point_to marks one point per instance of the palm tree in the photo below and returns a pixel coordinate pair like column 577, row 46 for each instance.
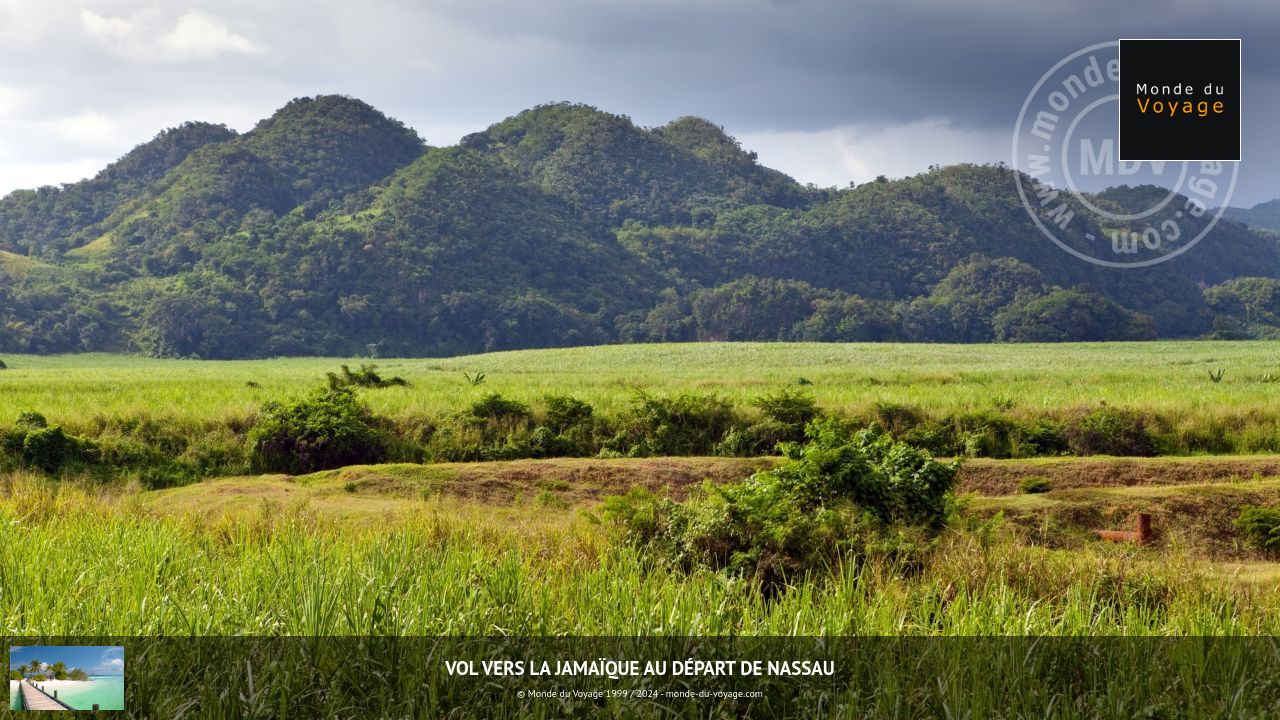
column 59, row 670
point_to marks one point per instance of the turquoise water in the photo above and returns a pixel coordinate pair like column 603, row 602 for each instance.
column 15, row 698
column 105, row 690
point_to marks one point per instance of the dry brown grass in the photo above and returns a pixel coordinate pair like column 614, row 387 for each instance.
column 364, row 491
column 1001, row 477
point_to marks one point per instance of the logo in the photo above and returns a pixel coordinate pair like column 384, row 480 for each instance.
column 1101, row 209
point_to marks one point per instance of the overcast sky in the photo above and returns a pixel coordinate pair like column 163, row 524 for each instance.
column 828, row 91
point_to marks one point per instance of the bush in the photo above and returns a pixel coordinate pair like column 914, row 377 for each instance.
column 366, row 377
column 495, row 407
column 786, row 413
column 565, row 413
column 837, row 493
column 328, row 429
column 789, row 407
column 684, row 424
column 985, row 434
column 1035, row 484
column 34, row 443
column 49, row 448
column 32, row 420
column 1260, row 527
column 898, row 417
column 761, row 438
column 1109, row 431
column 1043, row 436
column 3, row 366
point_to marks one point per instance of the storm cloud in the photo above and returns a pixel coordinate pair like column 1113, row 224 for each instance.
column 830, row 92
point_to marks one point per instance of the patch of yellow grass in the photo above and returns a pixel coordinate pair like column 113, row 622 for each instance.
column 17, row 265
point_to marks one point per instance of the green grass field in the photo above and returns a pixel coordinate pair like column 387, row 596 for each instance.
column 1171, row 377
column 519, row 547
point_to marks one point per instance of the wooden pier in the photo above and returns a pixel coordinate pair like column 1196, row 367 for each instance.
column 33, row 698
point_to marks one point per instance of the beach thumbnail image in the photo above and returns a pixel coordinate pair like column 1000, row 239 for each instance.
column 66, row 677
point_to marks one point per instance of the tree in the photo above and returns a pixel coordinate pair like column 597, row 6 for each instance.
column 1071, row 316
column 753, row 309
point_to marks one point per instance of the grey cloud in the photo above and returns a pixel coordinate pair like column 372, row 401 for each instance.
column 753, row 65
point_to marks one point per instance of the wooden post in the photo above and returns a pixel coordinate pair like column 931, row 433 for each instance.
column 1144, row 528
column 95, row 707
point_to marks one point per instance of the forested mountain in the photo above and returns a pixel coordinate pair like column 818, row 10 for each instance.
column 331, row 229
column 1263, row 215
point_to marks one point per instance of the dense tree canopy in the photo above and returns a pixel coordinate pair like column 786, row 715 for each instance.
column 332, row 229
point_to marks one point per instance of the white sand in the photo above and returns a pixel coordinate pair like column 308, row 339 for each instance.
column 50, row 685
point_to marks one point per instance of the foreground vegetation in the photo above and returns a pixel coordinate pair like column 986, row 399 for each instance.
column 439, row 567
column 853, row 533
column 165, row 422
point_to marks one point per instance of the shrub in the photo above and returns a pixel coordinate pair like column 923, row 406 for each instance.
column 48, row 448
column 1035, row 484
column 366, row 377
column 34, row 443
column 3, row 366
column 570, row 429
column 565, row 413
column 495, row 407
column 1109, row 431
column 32, row 420
column 760, row 438
column 1043, row 436
column 492, row 428
column 837, row 493
column 985, row 434
column 684, row 424
column 144, row 459
column 328, row 429
column 785, row 415
column 1260, row 527
column 898, row 417
column 788, row 406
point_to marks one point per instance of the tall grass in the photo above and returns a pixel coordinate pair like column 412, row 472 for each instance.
column 75, row 562
column 198, row 411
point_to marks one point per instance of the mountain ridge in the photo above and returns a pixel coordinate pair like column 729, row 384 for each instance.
column 1264, row 215
column 330, row 228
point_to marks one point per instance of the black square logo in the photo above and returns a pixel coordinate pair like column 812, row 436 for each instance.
column 1179, row 100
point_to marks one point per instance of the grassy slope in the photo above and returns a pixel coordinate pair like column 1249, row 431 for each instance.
column 1167, row 376
column 586, row 480
column 358, row 490
column 1193, row 501
column 17, row 265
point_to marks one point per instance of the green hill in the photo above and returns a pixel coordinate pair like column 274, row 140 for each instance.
column 48, row 216
column 1263, row 215
column 330, row 228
